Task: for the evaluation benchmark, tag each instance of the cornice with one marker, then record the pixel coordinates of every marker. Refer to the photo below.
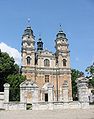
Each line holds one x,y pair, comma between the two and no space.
53,71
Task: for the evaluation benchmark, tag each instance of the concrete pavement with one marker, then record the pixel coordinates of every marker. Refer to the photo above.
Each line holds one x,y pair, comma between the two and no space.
49,114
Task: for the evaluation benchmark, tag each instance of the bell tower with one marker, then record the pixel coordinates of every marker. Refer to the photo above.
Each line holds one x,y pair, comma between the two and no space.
28,51
63,60
62,51
39,45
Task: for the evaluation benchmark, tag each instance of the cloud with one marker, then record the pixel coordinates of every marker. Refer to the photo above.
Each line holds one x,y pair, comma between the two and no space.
12,52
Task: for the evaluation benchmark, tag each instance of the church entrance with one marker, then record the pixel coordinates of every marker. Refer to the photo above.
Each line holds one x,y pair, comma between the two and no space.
46,97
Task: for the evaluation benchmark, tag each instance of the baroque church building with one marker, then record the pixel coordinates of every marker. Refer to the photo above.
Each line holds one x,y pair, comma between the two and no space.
45,71
48,78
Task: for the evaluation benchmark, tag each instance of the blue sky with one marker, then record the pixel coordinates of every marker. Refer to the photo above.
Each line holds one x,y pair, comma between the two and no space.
75,16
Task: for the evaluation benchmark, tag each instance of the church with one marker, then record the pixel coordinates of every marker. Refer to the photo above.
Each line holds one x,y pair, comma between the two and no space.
48,77
44,70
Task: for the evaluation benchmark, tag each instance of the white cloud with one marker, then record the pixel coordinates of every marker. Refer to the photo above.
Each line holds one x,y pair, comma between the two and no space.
12,52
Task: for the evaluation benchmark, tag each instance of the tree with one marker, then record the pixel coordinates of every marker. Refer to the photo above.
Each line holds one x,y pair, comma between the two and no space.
15,81
90,71
7,67
74,75
9,73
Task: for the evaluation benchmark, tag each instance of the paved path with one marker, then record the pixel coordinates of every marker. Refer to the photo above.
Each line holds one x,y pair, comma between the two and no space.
55,114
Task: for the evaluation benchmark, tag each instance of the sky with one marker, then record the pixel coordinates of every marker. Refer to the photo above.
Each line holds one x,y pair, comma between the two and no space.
75,16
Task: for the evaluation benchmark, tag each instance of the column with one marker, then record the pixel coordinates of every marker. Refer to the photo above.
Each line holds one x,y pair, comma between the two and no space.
35,95
50,93
60,93
83,90
6,92
23,95
65,92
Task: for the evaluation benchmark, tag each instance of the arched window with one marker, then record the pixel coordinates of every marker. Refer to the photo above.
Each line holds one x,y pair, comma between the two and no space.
46,62
64,62
28,60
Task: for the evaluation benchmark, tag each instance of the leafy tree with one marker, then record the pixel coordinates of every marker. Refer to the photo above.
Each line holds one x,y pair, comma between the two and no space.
90,71
15,81
7,67
74,75
9,73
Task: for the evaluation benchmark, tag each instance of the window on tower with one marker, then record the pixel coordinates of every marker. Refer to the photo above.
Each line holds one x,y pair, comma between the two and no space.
28,60
46,62
64,62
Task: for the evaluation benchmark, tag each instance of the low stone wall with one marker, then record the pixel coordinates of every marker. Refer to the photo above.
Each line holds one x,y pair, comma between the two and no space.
15,106
59,105
1,100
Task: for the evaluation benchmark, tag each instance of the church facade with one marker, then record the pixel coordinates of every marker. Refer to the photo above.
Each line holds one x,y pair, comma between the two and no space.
46,70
